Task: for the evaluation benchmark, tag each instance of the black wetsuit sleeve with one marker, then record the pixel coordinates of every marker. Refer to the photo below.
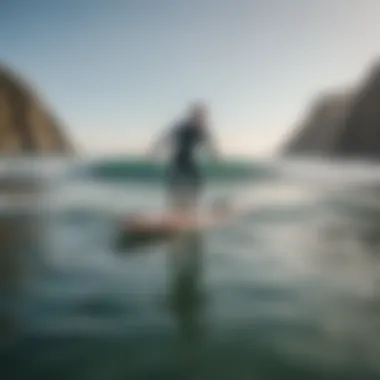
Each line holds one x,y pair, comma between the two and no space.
166,138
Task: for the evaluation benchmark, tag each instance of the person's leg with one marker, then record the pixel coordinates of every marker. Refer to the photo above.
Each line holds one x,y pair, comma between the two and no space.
184,186
174,184
192,189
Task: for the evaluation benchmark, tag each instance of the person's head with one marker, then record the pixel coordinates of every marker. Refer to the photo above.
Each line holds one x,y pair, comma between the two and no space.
198,112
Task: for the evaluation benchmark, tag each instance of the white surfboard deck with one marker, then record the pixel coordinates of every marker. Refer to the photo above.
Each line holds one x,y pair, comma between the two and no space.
171,223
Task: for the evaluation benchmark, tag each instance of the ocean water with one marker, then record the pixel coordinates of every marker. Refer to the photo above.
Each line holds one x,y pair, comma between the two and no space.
289,290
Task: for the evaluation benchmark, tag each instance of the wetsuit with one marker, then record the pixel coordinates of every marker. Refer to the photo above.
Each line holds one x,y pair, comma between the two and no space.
184,171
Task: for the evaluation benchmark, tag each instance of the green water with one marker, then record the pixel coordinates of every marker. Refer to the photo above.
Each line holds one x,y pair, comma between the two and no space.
289,291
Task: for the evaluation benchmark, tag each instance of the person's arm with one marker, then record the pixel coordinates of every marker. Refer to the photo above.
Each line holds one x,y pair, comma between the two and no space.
161,141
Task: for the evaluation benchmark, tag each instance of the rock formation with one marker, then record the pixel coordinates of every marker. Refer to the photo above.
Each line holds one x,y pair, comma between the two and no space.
319,132
360,135
26,126
342,124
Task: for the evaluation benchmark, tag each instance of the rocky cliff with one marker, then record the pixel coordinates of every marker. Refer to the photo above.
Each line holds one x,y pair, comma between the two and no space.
26,126
360,135
342,124
318,133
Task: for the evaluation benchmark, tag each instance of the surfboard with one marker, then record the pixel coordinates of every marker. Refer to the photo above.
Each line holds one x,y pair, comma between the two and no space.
144,229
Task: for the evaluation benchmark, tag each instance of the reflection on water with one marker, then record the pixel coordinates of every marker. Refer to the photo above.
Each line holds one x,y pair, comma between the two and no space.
185,299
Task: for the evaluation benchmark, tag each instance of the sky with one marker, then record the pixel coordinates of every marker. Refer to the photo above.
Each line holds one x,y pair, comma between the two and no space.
118,71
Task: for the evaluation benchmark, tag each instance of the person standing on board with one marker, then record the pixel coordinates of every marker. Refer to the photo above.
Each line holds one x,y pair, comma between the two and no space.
184,177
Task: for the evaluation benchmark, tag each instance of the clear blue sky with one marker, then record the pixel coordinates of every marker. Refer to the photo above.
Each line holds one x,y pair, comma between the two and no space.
117,71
